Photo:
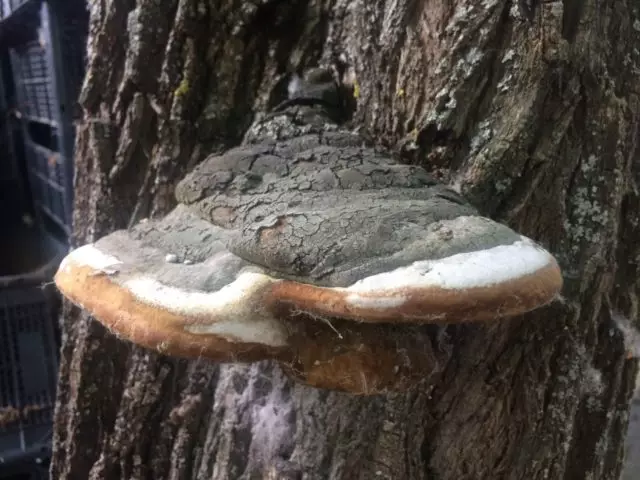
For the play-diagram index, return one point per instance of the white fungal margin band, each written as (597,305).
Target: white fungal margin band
(197,303)
(239,312)
(482,268)
(234,312)
(266,331)
(90,256)
(377,302)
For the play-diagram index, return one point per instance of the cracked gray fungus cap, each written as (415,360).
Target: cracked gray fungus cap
(303,242)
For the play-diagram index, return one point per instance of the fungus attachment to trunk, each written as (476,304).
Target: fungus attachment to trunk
(309,248)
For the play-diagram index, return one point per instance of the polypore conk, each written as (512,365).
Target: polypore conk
(309,219)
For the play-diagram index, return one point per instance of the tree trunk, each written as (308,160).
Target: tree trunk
(533,115)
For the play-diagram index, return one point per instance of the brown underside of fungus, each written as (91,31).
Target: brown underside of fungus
(304,246)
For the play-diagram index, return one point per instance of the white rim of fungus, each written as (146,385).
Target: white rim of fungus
(265,332)
(482,268)
(197,302)
(236,313)
(89,256)
(379,303)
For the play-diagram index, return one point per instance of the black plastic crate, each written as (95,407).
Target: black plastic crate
(25,472)
(50,184)
(38,99)
(69,28)
(67,24)
(14,195)
(8,162)
(29,343)
(19,21)
(12,5)
(48,71)
(28,371)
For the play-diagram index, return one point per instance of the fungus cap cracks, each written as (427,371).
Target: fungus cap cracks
(312,250)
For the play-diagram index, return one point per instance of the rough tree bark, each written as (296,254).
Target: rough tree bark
(535,121)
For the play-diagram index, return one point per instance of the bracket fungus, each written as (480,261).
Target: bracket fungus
(306,246)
